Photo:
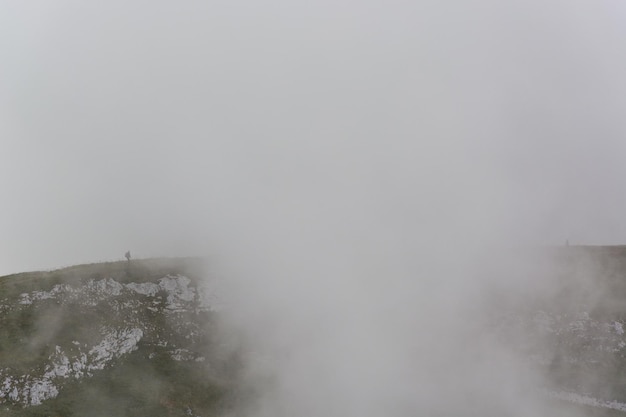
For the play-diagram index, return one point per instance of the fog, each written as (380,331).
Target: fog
(349,168)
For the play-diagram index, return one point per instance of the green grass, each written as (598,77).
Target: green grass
(137,270)
(146,382)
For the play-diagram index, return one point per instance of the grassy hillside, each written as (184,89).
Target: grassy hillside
(123,271)
(58,329)
(62,328)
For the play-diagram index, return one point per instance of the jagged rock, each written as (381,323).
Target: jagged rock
(84,327)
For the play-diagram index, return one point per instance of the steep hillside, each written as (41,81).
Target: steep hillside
(124,338)
(142,338)
(573,328)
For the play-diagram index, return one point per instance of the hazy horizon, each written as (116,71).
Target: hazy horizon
(135,126)
(350,167)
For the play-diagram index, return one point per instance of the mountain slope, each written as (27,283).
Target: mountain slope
(122,338)
(142,338)
(571,327)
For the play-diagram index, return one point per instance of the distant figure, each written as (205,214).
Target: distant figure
(127,255)
(567,242)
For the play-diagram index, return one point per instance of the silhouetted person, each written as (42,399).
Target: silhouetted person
(127,255)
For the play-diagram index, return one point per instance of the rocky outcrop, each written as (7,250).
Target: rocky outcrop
(75,330)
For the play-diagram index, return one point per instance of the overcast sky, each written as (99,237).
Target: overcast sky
(161,127)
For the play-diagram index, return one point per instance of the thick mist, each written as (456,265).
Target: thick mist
(137,125)
(357,173)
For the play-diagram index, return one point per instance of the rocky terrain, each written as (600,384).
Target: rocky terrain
(142,338)
(572,329)
(126,338)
